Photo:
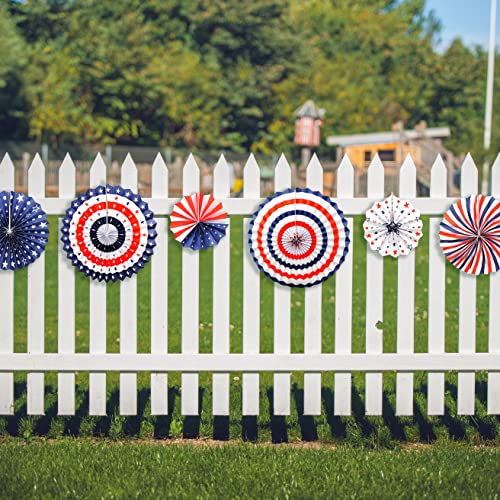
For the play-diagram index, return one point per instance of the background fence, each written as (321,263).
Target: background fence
(251,362)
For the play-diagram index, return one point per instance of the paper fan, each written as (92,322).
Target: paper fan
(109,233)
(24,230)
(199,221)
(393,227)
(298,237)
(470,234)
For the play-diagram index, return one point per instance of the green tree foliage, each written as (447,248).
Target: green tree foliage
(12,54)
(229,74)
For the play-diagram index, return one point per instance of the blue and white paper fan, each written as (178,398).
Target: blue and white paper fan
(24,230)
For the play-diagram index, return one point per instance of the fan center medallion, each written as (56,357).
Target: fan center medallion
(297,240)
(107,234)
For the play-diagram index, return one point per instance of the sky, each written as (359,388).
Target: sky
(467,19)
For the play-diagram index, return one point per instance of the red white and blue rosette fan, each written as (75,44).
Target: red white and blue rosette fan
(198,221)
(298,237)
(109,233)
(393,227)
(469,234)
(23,230)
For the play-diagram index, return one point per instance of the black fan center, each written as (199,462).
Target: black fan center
(107,234)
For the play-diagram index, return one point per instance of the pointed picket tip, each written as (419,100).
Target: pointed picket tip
(314,174)
(439,178)
(159,178)
(190,176)
(408,163)
(407,178)
(282,174)
(495,177)
(375,187)
(468,177)
(36,177)
(129,173)
(221,178)
(98,171)
(251,178)
(7,173)
(375,164)
(67,177)
(345,178)
(67,165)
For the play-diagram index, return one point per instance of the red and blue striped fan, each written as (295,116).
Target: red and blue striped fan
(24,230)
(109,233)
(470,234)
(199,221)
(298,237)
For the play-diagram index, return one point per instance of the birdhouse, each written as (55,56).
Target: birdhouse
(307,123)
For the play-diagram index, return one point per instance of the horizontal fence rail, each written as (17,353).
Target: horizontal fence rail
(251,362)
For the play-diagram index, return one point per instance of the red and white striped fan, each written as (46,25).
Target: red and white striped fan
(199,221)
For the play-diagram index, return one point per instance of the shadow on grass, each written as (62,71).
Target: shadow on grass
(191,427)
(308,427)
(279,431)
(355,429)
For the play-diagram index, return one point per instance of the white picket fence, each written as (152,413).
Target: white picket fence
(281,362)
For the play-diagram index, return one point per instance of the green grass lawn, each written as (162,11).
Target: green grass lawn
(357,429)
(71,468)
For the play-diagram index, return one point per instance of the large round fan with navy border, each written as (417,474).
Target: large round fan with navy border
(24,230)
(109,233)
(298,237)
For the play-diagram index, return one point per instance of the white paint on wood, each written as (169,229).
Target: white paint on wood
(436,323)
(128,311)
(312,312)
(467,306)
(406,299)
(251,295)
(6,305)
(97,325)
(374,296)
(494,317)
(190,299)
(36,300)
(66,299)
(279,363)
(343,294)
(159,290)
(221,297)
(281,398)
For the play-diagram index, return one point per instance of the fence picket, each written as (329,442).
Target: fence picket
(128,311)
(6,305)
(343,295)
(281,397)
(374,297)
(36,300)
(406,298)
(251,295)
(437,287)
(221,297)
(159,290)
(312,313)
(467,306)
(97,304)
(190,299)
(66,298)
(494,317)
(221,362)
